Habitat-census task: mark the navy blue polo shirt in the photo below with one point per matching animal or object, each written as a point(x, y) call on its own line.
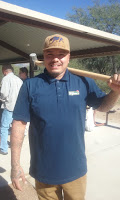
point(56, 110)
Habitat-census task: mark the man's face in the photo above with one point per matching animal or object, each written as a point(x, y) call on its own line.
point(4, 72)
point(22, 75)
point(56, 61)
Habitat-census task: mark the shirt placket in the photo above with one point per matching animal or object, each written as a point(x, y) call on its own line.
point(59, 91)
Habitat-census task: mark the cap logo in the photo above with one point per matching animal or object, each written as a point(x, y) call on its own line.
point(56, 40)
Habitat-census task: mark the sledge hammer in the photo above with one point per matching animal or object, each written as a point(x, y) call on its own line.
point(35, 62)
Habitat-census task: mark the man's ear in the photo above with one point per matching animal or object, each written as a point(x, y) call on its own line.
point(69, 58)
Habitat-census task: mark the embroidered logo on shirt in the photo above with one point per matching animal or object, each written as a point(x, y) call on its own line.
point(72, 93)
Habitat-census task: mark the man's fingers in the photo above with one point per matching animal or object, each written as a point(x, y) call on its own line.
point(17, 177)
point(16, 185)
point(119, 78)
point(18, 182)
point(115, 79)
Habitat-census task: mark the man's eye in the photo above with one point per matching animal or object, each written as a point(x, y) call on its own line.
point(49, 55)
point(62, 54)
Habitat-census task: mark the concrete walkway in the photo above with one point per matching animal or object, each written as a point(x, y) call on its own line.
point(103, 156)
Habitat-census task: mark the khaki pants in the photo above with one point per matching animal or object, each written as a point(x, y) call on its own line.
point(74, 190)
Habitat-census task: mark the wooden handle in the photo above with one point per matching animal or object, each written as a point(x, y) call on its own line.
point(38, 62)
point(89, 74)
point(83, 73)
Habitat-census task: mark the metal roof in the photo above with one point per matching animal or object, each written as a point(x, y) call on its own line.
point(22, 31)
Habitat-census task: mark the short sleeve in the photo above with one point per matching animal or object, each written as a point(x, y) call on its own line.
point(22, 108)
point(95, 95)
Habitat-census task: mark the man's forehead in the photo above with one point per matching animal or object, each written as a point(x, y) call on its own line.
point(55, 50)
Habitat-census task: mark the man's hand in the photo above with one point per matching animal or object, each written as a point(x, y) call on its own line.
point(114, 83)
point(17, 174)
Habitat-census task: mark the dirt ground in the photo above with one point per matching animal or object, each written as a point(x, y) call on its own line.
point(9, 193)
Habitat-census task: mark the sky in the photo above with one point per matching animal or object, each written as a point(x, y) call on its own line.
point(52, 7)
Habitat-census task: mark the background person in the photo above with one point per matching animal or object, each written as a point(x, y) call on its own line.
point(10, 86)
point(23, 73)
point(55, 104)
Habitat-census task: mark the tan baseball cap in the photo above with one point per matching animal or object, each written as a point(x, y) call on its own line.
point(56, 42)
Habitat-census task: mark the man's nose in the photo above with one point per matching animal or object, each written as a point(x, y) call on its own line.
point(55, 58)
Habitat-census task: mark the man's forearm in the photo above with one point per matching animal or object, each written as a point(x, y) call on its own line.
point(109, 101)
point(17, 137)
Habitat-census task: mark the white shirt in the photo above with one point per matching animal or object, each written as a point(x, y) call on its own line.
point(10, 86)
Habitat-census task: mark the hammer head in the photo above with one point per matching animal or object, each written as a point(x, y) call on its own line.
point(34, 61)
point(33, 57)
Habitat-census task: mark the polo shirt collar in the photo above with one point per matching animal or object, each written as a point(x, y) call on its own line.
point(51, 80)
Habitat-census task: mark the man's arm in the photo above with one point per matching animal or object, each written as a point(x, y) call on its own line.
point(110, 100)
point(16, 139)
point(4, 92)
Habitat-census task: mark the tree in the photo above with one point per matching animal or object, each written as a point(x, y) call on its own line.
point(104, 17)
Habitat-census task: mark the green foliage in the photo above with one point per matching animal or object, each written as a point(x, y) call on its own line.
point(103, 86)
point(105, 17)
point(103, 65)
point(1, 74)
point(78, 64)
point(16, 70)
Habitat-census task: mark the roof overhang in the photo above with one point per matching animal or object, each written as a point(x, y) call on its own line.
point(22, 31)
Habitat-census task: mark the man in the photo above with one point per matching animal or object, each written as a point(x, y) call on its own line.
point(23, 73)
point(10, 86)
point(55, 104)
